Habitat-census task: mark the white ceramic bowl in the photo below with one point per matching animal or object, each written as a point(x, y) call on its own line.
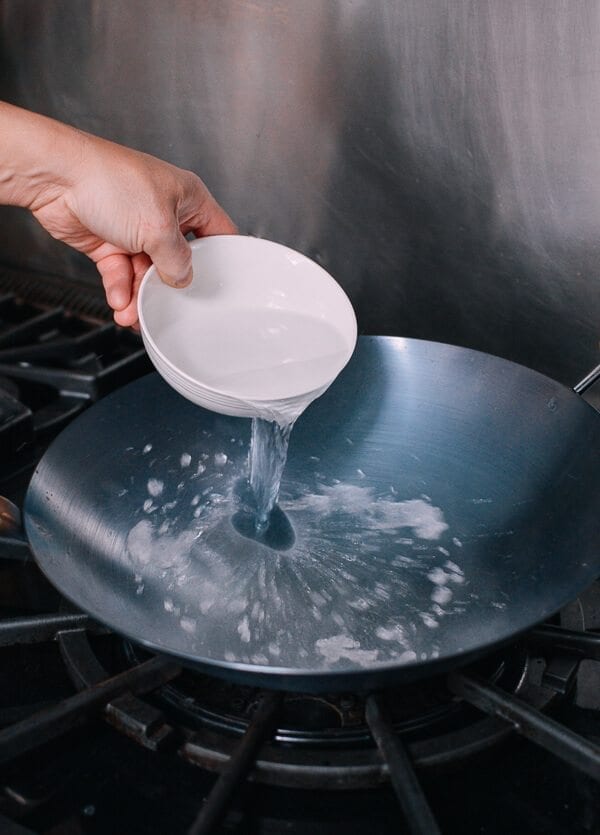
point(261, 330)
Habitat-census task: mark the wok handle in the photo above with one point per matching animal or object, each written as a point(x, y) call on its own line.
point(588, 381)
point(10, 521)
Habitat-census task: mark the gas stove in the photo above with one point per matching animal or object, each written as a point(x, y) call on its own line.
point(98, 736)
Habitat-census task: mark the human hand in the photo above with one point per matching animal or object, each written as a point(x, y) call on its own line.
point(122, 208)
point(126, 210)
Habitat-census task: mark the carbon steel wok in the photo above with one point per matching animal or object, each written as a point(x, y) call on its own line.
point(442, 502)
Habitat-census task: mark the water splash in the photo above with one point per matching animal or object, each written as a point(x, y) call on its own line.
point(366, 578)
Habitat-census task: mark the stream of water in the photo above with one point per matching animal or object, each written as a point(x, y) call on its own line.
point(268, 454)
point(259, 517)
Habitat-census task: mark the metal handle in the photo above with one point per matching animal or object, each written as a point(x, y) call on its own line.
point(588, 381)
point(10, 517)
point(11, 527)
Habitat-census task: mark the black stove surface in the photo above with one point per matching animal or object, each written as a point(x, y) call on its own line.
point(144, 759)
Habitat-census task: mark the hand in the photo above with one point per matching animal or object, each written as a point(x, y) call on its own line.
point(122, 208)
point(126, 210)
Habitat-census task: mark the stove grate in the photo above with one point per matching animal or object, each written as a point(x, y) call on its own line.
point(397, 759)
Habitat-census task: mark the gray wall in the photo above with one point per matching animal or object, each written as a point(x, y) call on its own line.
point(441, 159)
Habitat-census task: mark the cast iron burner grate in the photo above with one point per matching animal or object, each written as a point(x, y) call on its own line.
point(331, 721)
point(509, 689)
point(53, 365)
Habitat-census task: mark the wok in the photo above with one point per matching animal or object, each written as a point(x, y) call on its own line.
point(442, 501)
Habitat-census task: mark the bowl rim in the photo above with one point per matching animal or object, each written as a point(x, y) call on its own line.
point(149, 340)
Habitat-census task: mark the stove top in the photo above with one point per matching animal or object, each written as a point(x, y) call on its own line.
point(97, 736)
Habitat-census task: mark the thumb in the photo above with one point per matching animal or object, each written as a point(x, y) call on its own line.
point(172, 257)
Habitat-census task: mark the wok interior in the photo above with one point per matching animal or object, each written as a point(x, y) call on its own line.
point(442, 502)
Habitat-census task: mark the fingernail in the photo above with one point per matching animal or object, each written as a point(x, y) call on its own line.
point(183, 282)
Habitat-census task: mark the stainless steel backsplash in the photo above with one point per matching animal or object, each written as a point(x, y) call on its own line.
point(441, 160)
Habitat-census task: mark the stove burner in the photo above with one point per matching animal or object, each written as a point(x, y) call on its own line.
point(330, 748)
point(333, 720)
point(321, 741)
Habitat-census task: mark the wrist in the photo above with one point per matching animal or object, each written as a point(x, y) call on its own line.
point(39, 157)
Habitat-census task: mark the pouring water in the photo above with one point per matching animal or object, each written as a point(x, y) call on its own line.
point(260, 333)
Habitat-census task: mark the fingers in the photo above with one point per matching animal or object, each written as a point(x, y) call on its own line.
point(128, 316)
point(171, 255)
point(200, 212)
point(186, 206)
point(121, 276)
point(117, 274)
